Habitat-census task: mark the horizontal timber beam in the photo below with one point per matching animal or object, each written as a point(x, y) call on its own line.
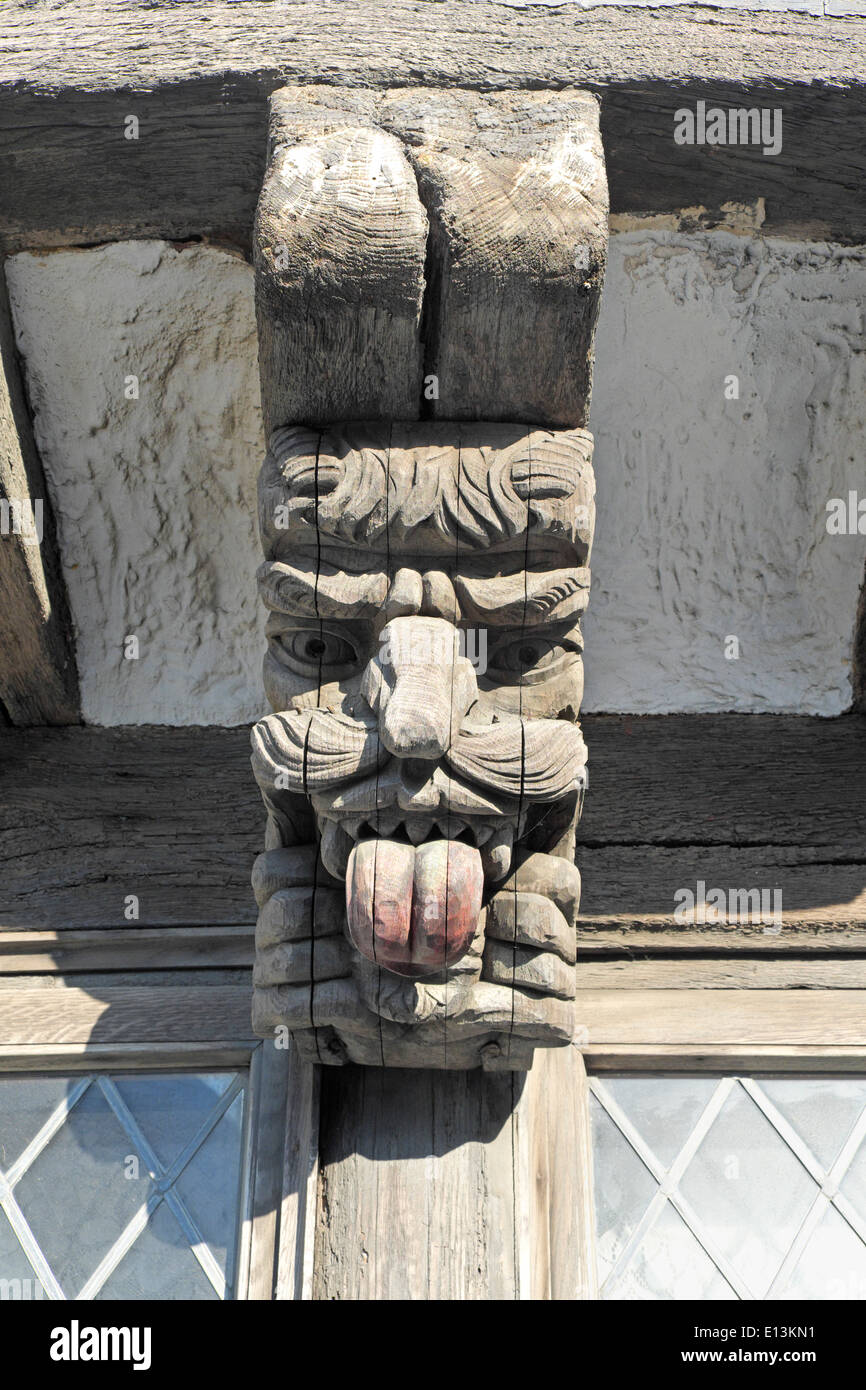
point(30, 1014)
point(125, 948)
point(737, 801)
point(373, 42)
point(197, 78)
point(125, 1056)
point(797, 1059)
point(643, 1021)
point(731, 971)
point(611, 1023)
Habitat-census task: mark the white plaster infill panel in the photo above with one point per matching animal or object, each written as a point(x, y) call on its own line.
point(712, 512)
point(155, 496)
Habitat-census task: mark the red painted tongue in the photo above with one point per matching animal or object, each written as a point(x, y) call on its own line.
point(413, 911)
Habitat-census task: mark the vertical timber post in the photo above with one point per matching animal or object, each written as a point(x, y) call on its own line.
point(428, 276)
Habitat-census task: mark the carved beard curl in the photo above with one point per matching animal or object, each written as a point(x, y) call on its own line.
point(521, 760)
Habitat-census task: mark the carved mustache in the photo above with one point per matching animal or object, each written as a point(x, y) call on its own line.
point(312, 751)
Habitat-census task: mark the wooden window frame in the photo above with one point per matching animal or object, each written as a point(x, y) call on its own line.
point(801, 1033)
point(827, 1177)
point(264, 1136)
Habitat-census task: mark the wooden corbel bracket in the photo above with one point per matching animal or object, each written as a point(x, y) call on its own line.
point(428, 275)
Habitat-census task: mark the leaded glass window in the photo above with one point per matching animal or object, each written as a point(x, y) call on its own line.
point(122, 1185)
point(734, 1188)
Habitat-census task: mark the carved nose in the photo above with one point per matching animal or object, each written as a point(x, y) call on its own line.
point(412, 725)
point(420, 687)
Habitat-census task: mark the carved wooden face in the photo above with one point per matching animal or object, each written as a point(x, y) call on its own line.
point(424, 660)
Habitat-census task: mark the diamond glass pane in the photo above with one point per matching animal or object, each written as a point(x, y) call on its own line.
point(624, 1189)
point(123, 1186)
point(670, 1263)
point(159, 1266)
point(733, 1188)
point(17, 1279)
point(665, 1117)
point(171, 1109)
point(209, 1183)
point(75, 1195)
point(822, 1111)
point(749, 1191)
point(832, 1265)
point(25, 1106)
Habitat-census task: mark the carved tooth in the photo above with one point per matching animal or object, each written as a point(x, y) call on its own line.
point(386, 824)
point(496, 854)
point(417, 829)
point(482, 833)
point(336, 848)
point(450, 827)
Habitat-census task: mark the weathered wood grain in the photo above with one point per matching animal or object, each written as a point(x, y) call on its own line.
point(339, 249)
point(556, 1172)
point(198, 78)
point(634, 1022)
point(727, 780)
point(361, 42)
point(89, 817)
point(38, 678)
point(461, 1185)
point(122, 1014)
point(374, 202)
point(810, 939)
point(125, 1056)
point(732, 972)
point(94, 981)
point(640, 884)
point(812, 189)
point(270, 1079)
point(723, 1059)
point(300, 1181)
point(667, 956)
point(732, 1018)
point(126, 948)
point(515, 190)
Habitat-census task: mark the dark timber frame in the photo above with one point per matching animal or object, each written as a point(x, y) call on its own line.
point(728, 798)
point(736, 796)
point(198, 76)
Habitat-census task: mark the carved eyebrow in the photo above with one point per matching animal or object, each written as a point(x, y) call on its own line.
point(542, 554)
point(306, 592)
point(528, 597)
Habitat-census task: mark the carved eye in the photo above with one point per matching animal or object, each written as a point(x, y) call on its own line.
point(310, 650)
point(529, 654)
